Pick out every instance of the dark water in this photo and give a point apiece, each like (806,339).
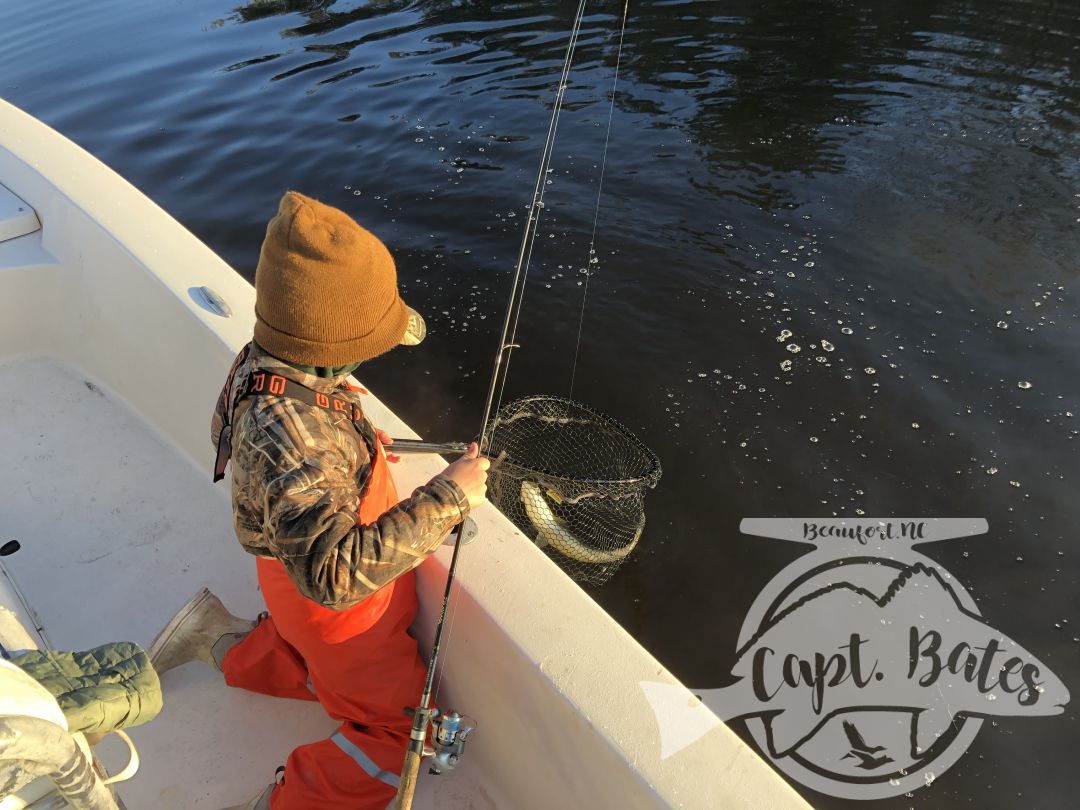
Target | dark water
(901,180)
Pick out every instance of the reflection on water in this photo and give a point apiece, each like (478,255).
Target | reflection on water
(894,189)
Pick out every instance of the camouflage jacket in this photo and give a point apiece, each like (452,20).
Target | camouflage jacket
(298,474)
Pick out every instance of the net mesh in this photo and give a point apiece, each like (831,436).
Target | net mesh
(573,480)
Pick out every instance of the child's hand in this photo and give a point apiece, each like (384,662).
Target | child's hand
(470,473)
(386,441)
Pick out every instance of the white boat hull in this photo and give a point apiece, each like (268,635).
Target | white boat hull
(109,366)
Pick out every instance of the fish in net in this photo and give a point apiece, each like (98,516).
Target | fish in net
(573,480)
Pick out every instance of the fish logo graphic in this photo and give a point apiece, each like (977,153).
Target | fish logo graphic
(864,669)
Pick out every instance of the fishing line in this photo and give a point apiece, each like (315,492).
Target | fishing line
(521,271)
(423,713)
(593,260)
(528,241)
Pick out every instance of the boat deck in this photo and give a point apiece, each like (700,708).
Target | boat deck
(118,529)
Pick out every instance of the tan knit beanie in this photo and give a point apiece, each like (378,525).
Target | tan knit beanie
(325,288)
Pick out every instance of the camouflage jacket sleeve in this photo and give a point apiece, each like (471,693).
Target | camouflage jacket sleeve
(311,527)
(309,522)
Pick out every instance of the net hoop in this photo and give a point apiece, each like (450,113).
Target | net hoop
(651,470)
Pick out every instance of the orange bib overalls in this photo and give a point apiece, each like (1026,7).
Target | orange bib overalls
(360,664)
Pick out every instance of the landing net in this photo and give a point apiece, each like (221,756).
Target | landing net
(573,480)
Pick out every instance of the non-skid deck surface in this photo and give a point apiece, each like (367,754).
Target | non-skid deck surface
(118,529)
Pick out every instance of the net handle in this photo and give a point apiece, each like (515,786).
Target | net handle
(420,446)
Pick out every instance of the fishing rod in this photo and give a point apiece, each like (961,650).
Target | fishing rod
(451,729)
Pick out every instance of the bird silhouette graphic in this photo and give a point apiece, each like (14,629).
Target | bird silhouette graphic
(861,751)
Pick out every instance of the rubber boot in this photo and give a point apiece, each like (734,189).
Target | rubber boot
(202,630)
(260,802)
